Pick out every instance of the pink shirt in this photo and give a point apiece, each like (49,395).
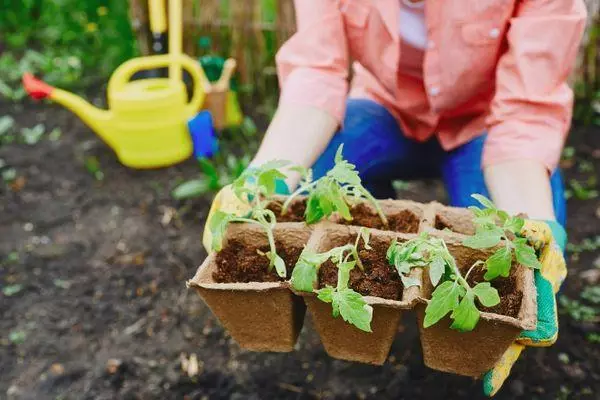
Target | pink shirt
(500,65)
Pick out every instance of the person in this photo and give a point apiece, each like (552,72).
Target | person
(472,91)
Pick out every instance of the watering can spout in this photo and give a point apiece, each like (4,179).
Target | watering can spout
(98,120)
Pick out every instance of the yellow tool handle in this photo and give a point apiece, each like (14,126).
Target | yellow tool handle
(158,17)
(125,71)
(175,33)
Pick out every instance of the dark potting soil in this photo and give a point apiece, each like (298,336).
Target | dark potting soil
(378,278)
(510,298)
(239,263)
(295,212)
(403,221)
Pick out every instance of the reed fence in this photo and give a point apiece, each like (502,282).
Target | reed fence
(252,30)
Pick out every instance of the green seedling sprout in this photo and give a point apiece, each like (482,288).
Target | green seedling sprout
(255,186)
(454,294)
(336,191)
(494,226)
(344,300)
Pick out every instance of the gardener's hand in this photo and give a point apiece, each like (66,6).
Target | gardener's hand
(226,201)
(550,238)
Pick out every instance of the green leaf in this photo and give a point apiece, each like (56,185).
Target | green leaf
(339,203)
(17,337)
(484,238)
(436,269)
(443,300)
(326,294)
(7,123)
(365,235)
(279,264)
(514,224)
(487,295)
(353,308)
(498,264)
(304,276)
(484,201)
(338,154)
(218,225)
(313,212)
(11,290)
(344,269)
(190,189)
(211,172)
(390,255)
(466,315)
(268,180)
(526,255)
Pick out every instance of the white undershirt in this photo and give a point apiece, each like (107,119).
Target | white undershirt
(411,24)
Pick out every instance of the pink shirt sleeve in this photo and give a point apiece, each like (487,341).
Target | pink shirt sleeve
(531,111)
(312,65)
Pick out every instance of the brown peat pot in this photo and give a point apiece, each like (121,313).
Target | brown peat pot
(454,219)
(474,353)
(259,315)
(403,216)
(340,339)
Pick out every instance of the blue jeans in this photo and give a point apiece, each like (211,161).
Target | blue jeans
(374,142)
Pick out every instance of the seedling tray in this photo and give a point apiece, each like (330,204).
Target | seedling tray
(474,353)
(260,316)
(340,339)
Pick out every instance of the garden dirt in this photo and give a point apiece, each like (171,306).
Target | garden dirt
(404,221)
(103,311)
(378,278)
(239,263)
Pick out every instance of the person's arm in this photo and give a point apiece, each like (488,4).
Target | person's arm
(521,186)
(531,111)
(312,67)
(298,134)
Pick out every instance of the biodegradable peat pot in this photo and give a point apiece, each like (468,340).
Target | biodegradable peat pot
(403,216)
(476,352)
(260,316)
(455,219)
(340,339)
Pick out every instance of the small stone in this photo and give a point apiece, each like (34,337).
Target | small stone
(13,390)
(112,365)
(591,276)
(57,369)
(564,358)
(28,227)
(193,368)
(575,371)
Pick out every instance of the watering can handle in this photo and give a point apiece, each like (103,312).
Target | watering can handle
(125,71)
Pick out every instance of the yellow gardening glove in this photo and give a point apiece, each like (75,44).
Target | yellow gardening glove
(225,201)
(550,238)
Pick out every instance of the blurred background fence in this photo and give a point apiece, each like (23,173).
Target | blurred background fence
(77,44)
(252,31)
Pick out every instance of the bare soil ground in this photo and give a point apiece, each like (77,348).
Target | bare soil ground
(104,313)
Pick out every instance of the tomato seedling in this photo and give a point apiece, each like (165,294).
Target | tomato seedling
(255,186)
(494,226)
(344,301)
(338,190)
(453,293)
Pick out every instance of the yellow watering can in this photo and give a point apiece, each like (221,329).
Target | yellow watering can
(146,123)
